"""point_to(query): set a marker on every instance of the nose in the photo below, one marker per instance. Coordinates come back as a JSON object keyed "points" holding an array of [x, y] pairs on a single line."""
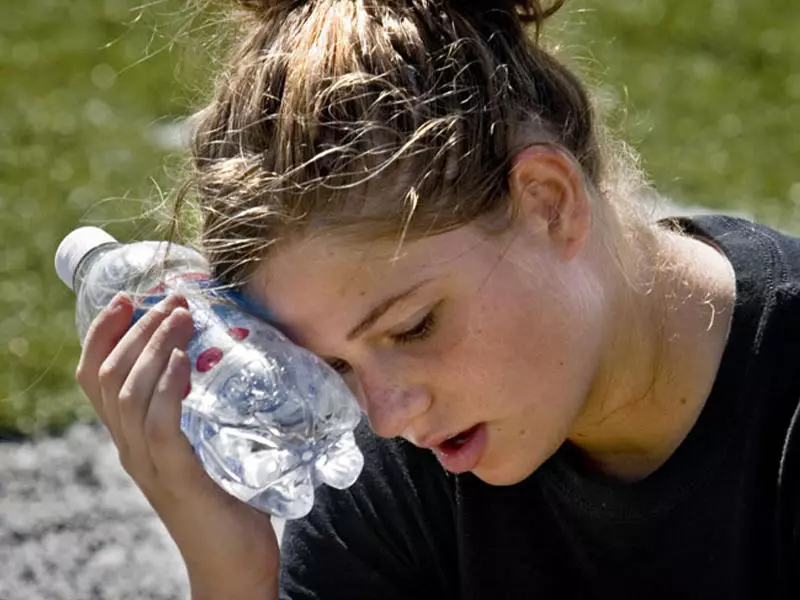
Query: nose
{"points": [[390, 403]]}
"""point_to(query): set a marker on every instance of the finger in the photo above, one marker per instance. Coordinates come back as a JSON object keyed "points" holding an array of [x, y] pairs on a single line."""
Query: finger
{"points": [[173, 456], [150, 368], [116, 367], [104, 334]]}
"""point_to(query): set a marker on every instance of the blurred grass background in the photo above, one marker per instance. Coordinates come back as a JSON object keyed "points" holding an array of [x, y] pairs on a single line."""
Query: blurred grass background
{"points": [[91, 91]]}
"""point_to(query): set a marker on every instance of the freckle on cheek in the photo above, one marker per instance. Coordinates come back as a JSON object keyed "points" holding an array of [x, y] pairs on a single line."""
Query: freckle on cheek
{"points": [[521, 432]]}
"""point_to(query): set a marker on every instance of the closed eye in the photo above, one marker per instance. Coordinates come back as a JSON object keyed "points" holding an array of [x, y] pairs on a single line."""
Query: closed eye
{"points": [[339, 365], [420, 331]]}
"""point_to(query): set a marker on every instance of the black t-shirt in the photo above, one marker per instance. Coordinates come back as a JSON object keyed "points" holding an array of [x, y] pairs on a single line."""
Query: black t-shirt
{"points": [[718, 520]]}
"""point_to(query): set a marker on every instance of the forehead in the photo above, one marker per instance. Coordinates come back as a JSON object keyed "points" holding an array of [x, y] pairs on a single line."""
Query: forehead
{"points": [[311, 281]]}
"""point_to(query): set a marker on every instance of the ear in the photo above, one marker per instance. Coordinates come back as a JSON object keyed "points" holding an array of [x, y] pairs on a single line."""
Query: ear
{"points": [[548, 190]]}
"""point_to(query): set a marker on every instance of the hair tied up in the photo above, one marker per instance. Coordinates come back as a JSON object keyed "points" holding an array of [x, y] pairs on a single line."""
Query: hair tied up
{"points": [[264, 9], [528, 11]]}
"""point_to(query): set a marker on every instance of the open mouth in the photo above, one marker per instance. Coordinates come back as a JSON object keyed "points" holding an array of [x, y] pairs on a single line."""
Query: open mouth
{"points": [[463, 451], [454, 443]]}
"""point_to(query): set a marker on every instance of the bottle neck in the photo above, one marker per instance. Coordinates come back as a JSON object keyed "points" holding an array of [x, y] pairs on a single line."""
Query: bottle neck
{"points": [[85, 264]]}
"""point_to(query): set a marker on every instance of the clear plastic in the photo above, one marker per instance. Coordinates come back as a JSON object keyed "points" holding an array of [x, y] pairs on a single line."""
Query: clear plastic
{"points": [[269, 420]]}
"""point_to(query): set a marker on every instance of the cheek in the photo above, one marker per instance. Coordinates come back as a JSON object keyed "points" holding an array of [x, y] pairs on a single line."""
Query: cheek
{"points": [[535, 358], [545, 371]]}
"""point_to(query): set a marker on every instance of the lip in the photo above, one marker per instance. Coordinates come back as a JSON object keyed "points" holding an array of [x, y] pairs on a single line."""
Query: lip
{"points": [[465, 457], [432, 440]]}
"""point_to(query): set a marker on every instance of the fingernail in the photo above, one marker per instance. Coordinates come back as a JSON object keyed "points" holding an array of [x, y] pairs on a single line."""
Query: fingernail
{"points": [[166, 304], [175, 300], [180, 299], [119, 301]]}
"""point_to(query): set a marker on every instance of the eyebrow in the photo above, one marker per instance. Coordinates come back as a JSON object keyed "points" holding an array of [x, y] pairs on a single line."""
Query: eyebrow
{"points": [[381, 309]]}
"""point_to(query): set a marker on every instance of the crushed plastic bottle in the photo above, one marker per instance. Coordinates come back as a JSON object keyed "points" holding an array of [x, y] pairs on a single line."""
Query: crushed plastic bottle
{"points": [[269, 420]]}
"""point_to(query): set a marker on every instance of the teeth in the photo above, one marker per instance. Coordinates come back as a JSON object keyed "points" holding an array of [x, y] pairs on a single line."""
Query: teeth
{"points": [[459, 440]]}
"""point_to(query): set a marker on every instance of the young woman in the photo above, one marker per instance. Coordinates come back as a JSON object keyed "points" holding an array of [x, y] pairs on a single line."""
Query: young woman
{"points": [[564, 398]]}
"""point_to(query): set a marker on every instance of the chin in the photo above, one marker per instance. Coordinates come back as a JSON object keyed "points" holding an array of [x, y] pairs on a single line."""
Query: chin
{"points": [[502, 477]]}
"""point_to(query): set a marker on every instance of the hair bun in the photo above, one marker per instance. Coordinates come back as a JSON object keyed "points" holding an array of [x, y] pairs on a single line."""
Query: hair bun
{"points": [[266, 8], [529, 11]]}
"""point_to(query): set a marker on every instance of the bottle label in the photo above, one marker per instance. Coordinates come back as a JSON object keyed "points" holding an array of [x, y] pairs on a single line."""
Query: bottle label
{"points": [[213, 307]]}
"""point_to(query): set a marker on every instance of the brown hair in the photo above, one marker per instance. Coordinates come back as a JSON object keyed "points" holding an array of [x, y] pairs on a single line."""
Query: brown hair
{"points": [[378, 118]]}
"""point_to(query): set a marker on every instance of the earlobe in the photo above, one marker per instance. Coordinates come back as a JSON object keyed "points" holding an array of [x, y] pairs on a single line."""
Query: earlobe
{"points": [[549, 193]]}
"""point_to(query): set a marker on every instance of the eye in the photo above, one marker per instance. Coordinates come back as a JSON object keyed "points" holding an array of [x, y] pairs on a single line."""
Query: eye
{"points": [[339, 365], [420, 331]]}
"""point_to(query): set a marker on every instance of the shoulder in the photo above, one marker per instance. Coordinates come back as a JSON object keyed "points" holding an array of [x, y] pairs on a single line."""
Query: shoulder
{"points": [[749, 243], [766, 263], [767, 266]]}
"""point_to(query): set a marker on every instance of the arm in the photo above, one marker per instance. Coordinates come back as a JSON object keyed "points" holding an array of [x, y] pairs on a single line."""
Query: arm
{"points": [[135, 378]]}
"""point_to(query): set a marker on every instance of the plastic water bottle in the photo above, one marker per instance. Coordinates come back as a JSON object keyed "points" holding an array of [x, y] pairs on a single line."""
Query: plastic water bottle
{"points": [[269, 420]]}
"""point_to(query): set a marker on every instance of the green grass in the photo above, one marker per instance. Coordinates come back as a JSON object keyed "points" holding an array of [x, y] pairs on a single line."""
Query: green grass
{"points": [[707, 91], [82, 100]]}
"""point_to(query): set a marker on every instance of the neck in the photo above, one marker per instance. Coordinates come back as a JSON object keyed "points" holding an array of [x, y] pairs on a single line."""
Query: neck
{"points": [[661, 358]]}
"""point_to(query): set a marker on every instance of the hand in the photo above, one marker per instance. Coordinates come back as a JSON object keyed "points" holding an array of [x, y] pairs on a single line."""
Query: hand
{"points": [[136, 378]]}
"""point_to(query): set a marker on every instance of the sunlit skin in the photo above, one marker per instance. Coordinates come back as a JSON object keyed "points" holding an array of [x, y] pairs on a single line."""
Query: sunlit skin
{"points": [[532, 332]]}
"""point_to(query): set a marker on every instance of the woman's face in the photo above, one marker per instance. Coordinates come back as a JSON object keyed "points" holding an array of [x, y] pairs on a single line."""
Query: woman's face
{"points": [[496, 337]]}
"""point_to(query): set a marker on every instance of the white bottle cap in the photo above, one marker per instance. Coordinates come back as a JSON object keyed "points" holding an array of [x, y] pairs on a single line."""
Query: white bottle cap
{"points": [[74, 247]]}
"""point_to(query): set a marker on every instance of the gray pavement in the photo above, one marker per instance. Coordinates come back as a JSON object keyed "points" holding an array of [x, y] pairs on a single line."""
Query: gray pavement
{"points": [[73, 526]]}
